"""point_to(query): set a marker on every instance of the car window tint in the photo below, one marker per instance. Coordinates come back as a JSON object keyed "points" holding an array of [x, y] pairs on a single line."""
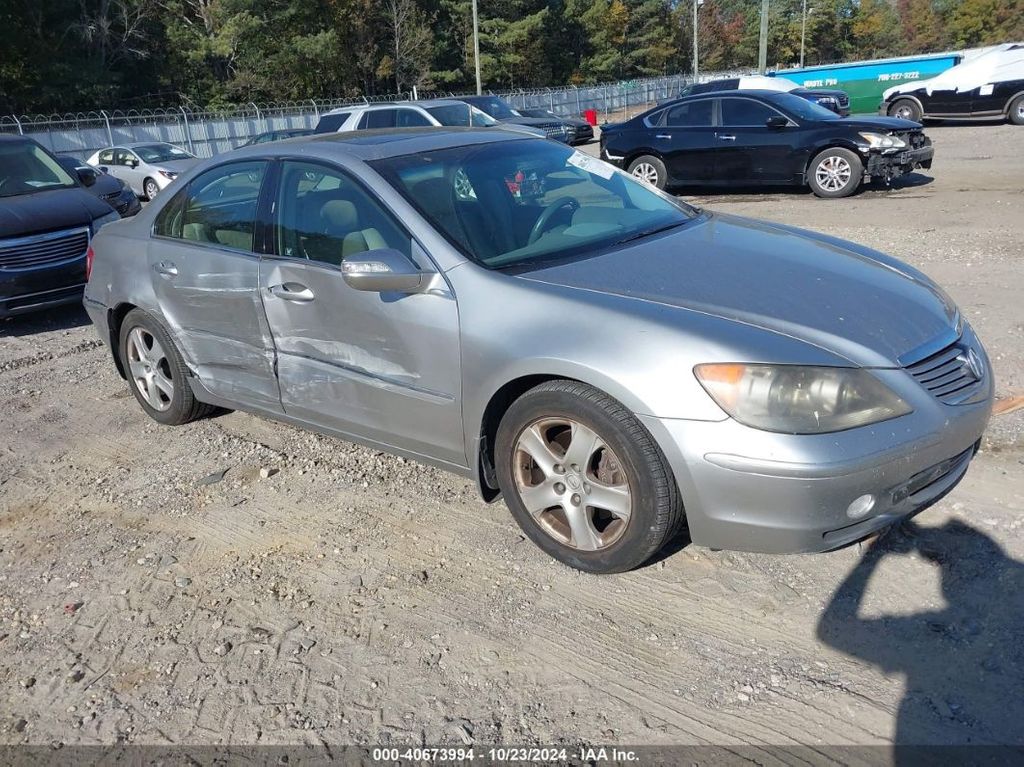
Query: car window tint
{"points": [[122, 156], [745, 112], [410, 118], [331, 123], [324, 215], [691, 114], [378, 118], [220, 206], [168, 220]]}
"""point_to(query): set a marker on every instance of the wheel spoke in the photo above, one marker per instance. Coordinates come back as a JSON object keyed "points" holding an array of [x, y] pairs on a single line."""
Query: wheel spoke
{"points": [[584, 536], [138, 342], [583, 443], [163, 383], [153, 392], [156, 351], [137, 368], [613, 498], [539, 498], [533, 443]]}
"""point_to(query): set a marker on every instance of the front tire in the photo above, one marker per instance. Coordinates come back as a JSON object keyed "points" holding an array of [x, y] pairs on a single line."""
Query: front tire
{"points": [[156, 373], [584, 479], [1016, 111], [834, 173], [649, 169], [150, 189], [905, 109]]}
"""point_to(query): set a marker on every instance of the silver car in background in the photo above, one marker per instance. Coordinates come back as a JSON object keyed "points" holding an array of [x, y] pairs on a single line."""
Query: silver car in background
{"points": [[613, 362], [449, 113], [146, 167]]}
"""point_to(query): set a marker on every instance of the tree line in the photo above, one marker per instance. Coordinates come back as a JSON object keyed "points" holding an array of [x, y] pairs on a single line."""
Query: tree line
{"points": [[67, 55]]}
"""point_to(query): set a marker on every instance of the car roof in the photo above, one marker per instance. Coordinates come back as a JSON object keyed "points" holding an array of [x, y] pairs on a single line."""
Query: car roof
{"points": [[392, 104], [14, 137], [388, 142]]}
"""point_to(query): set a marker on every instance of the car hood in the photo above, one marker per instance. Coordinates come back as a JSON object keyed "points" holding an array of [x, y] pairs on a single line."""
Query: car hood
{"points": [[880, 123], [834, 295], [175, 166], [48, 211]]}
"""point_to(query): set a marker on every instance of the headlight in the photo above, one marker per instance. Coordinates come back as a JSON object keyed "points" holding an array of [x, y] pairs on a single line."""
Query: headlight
{"points": [[102, 221], [169, 174], [794, 399], [882, 141]]}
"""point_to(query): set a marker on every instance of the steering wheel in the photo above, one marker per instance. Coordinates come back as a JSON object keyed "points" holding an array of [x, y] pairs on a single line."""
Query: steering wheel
{"points": [[548, 213]]}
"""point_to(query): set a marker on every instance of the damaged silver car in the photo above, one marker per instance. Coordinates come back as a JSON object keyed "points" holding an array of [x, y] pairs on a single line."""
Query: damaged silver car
{"points": [[612, 361]]}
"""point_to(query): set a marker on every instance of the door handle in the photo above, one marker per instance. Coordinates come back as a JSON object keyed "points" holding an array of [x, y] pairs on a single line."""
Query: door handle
{"points": [[166, 269], [725, 137], [663, 135], [292, 291]]}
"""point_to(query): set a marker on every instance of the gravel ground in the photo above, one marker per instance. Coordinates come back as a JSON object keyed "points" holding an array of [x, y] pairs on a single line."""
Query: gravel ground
{"points": [[157, 586]]}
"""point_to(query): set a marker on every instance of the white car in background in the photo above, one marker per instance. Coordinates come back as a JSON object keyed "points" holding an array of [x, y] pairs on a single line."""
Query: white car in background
{"points": [[146, 167], [413, 114]]}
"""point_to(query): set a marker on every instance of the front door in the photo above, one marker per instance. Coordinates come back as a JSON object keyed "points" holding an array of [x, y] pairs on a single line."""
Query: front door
{"points": [[383, 367], [205, 274], [747, 150], [129, 169], [686, 139]]}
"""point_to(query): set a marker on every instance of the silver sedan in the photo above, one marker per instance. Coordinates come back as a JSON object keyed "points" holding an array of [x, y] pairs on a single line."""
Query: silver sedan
{"points": [[615, 363]]}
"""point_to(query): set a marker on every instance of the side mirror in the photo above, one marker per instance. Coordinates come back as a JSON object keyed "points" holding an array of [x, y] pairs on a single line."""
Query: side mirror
{"points": [[87, 176], [133, 163], [383, 270], [776, 121]]}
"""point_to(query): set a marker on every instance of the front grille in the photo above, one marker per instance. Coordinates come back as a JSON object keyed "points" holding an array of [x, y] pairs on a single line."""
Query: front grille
{"points": [[951, 375], [43, 249], [844, 101], [114, 200], [553, 130]]}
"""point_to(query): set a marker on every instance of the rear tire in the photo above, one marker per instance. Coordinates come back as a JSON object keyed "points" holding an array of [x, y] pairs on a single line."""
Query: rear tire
{"points": [[157, 375], [649, 169], [835, 173], [599, 496], [1016, 111], [906, 109]]}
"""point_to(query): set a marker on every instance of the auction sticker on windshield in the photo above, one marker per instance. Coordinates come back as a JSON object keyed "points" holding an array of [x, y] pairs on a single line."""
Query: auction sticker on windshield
{"points": [[591, 165]]}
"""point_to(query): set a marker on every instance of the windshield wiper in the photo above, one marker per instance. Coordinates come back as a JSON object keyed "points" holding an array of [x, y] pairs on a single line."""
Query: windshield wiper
{"points": [[648, 232]]}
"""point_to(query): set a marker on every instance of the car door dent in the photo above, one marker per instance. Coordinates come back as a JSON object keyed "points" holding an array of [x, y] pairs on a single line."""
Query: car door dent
{"points": [[378, 379]]}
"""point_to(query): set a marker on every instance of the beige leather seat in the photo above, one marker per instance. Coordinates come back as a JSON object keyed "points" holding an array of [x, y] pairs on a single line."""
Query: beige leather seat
{"points": [[341, 221]]}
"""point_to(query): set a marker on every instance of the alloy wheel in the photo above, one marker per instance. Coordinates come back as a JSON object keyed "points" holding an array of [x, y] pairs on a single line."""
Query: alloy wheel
{"points": [[833, 173], [151, 189], [905, 112], [646, 172], [150, 369], [572, 483]]}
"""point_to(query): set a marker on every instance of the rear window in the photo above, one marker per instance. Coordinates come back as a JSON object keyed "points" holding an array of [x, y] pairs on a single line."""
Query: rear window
{"points": [[330, 123]]}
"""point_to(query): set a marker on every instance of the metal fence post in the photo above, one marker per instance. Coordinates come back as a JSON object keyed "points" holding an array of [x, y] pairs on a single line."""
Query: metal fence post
{"points": [[110, 135], [316, 109], [188, 133], [17, 122]]}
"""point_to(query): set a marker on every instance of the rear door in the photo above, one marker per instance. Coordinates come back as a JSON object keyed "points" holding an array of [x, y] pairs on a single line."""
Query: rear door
{"points": [[378, 118], [685, 137], [383, 367], [747, 150], [205, 274]]}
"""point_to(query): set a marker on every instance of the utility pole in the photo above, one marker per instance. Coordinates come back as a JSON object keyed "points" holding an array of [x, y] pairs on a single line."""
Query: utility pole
{"points": [[476, 49], [803, 33], [695, 2], [762, 48]]}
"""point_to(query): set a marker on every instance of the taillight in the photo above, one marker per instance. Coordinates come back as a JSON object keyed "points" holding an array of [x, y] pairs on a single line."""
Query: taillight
{"points": [[89, 256]]}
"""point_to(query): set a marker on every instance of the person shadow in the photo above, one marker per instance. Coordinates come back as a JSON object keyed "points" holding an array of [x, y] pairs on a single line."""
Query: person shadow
{"points": [[963, 663]]}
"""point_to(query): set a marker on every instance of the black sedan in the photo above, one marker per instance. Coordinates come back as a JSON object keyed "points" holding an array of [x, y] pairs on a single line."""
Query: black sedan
{"points": [[833, 99], [582, 130], [752, 138], [112, 191]]}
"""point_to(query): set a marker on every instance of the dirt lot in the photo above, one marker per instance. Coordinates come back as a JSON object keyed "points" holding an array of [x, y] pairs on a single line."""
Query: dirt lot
{"points": [[355, 597]]}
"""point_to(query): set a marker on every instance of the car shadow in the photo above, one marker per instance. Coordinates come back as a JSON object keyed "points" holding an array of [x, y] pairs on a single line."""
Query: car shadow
{"points": [[44, 321], [743, 193], [964, 661]]}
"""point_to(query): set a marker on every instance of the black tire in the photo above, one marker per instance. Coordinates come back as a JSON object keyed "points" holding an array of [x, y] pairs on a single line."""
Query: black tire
{"points": [[182, 406], [836, 155], [647, 161], [1015, 112], [148, 187], [907, 109], [656, 508]]}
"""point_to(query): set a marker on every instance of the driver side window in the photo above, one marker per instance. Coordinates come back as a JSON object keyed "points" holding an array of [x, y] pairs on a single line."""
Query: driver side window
{"points": [[324, 215]]}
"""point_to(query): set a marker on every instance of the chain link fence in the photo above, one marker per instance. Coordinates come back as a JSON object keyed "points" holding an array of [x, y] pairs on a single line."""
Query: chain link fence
{"points": [[207, 133]]}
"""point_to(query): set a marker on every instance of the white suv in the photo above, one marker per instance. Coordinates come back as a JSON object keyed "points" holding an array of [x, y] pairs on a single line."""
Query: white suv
{"points": [[413, 114]]}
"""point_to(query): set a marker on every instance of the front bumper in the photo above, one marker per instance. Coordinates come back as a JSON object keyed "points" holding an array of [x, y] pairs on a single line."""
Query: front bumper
{"points": [[897, 162], [31, 290], [751, 490]]}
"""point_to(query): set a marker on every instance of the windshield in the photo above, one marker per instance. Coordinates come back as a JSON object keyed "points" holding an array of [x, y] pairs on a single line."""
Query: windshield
{"points": [[25, 167], [801, 107], [160, 153], [461, 114], [514, 203], [495, 107]]}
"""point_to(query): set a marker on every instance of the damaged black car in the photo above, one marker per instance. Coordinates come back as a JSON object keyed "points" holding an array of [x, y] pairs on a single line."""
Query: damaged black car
{"points": [[763, 138]]}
